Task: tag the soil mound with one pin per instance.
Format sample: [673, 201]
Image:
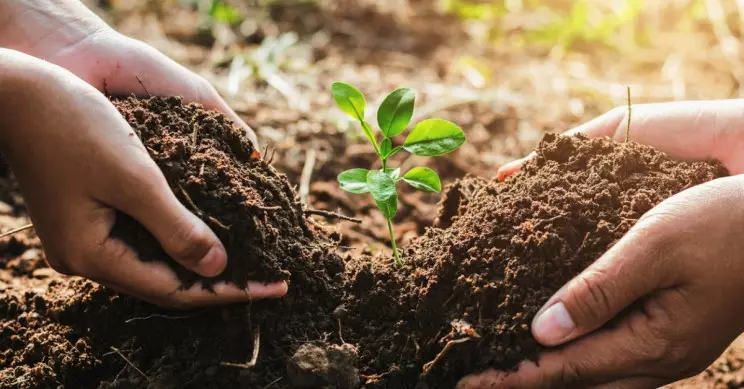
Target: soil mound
[467, 295]
[214, 170]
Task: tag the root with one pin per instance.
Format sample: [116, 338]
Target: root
[16, 230]
[254, 356]
[219, 223]
[428, 365]
[161, 317]
[118, 352]
[330, 214]
[340, 336]
[269, 208]
[307, 173]
[185, 194]
[273, 382]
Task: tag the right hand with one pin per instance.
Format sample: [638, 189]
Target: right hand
[76, 163]
[687, 130]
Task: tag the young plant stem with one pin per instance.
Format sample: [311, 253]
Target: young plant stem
[627, 130]
[398, 260]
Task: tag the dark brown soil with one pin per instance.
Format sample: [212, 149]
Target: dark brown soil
[496, 254]
[478, 283]
[215, 171]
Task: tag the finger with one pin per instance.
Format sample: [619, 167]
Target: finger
[633, 383]
[141, 191]
[604, 357]
[608, 286]
[155, 282]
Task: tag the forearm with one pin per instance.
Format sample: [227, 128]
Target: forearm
[43, 27]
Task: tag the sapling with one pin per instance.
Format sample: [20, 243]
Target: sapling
[430, 138]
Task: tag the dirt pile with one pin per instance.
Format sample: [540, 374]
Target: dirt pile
[466, 297]
[72, 333]
[215, 171]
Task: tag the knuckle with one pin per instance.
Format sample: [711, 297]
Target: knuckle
[176, 301]
[592, 303]
[186, 242]
[568, 376]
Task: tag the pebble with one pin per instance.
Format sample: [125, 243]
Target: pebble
[43, 273]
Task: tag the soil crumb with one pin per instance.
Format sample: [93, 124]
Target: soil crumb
[466, 297]
[214, 170]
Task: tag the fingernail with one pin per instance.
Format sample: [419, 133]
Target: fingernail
[213, 263]
[553, 325]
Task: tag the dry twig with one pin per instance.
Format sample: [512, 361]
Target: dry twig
[330, 214]
[118, 352]
[428, 365]
[307, 172]
[16, 230]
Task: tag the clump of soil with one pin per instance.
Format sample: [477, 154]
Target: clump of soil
[72, 333]
[466, 297]
[215, 171]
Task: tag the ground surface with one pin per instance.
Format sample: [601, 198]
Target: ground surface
[377, 47]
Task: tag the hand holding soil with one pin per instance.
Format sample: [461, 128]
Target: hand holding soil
[664, 301]
[78, 162]
[71, 36]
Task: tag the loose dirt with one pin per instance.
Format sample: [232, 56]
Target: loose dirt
[474, 281]
[466, 297]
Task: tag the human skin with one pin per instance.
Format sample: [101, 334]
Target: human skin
[673, 286]
[77, 163]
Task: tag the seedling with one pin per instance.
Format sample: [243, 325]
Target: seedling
[430, 138]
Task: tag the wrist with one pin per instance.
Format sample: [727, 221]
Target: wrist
[22, 80]
[45, 28]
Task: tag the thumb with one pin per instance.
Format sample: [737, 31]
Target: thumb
[627, 272]
[183, 236]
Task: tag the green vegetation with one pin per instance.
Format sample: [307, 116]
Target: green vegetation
[432, 137]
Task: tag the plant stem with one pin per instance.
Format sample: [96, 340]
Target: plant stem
[627, 130]
[398, 260]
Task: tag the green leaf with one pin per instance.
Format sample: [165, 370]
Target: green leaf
[380, 185]
[389, 207]
[354, 180]
[385, 147]
[393, 173]
[370, 135]
[396, 111]
[223, 12]
[434, 137]
[423, 178]
[349, 99]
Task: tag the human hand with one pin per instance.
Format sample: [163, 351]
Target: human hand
[77, 161]
[665, 300]
[69, 35]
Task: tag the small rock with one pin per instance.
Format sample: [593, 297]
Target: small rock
[316, 366]
[5, 208]
[43, 273]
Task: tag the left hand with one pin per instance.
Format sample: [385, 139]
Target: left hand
[666, 299]
[69, 35]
